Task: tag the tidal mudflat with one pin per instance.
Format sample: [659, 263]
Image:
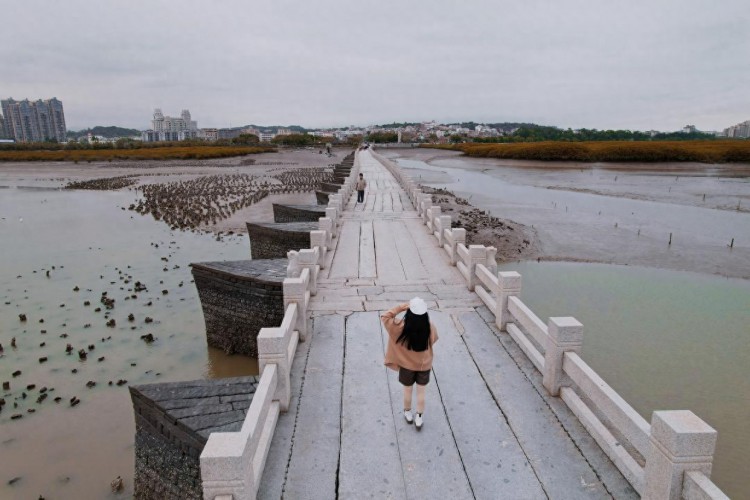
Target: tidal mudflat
[671, 338]
[99, 297]
[611, 213]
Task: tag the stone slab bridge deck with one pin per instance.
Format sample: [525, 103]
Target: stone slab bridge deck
[490, 431]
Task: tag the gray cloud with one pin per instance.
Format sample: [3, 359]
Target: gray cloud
[638, 64]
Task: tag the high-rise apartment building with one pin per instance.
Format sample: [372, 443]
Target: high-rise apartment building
[168, 128]
[34, 121]
[739, 131]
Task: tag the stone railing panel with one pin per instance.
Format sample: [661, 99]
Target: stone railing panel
[632, 426]
[296, 291]
[529, 321]
[229, 458]
[696, 486]
[453, 238]
[605, 439]
[319, 241]
[274, 346]
[442, 224]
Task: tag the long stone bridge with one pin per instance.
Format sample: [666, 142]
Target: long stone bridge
[512, 411]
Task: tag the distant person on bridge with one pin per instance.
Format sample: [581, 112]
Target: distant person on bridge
[361, 185]
[409, 352]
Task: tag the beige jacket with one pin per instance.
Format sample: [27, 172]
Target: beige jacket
[361, 184]
[397, 355]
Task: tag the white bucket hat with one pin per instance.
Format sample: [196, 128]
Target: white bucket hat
[417, 306]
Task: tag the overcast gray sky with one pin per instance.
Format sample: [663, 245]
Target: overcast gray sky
[637, 64]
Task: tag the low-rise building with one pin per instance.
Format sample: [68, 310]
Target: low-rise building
[266, 136]
[169, 128]
[208, 134]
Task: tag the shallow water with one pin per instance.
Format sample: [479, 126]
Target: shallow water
[665, 340]
[61, 451]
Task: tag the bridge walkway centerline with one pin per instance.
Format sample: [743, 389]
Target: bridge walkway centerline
[489, 431]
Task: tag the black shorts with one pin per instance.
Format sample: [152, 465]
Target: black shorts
[408, 377]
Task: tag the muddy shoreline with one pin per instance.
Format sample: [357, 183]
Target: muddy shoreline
[684, 217]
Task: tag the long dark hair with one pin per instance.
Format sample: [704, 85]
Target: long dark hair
[416, 331]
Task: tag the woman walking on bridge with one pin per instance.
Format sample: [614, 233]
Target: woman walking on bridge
[409, 352]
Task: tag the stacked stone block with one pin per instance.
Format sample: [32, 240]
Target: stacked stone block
[274, 240]
[238, 299]
[297, 213]
[173, 422]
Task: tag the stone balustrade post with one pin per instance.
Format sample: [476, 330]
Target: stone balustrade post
[319, 240]
[458, 235]
[680, 442]
[295, 291]
[565, 335]
[425, 204]
[433, 213]
[332, 214]
[509, 284]
[441, 224]
[415, 194]
[272, 349]
[491, 263]
[477, 255]
[308, 259]
[326, 224]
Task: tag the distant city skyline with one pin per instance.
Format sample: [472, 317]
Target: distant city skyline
[639, 65]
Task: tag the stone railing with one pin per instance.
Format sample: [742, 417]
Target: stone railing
[670, 458]
[232, 463]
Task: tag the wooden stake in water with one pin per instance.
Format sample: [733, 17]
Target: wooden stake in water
[670, 239]
[731, 245]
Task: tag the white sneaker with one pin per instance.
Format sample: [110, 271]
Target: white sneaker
[418, 421]
[408, 416]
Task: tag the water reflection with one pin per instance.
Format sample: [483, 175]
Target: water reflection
[61, 250]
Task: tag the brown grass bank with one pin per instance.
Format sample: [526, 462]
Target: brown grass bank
[166, 153]
[727, 151]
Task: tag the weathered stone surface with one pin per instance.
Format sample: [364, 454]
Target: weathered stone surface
[273, 240]
[366, 405]
[168, 443]
[238, 299]
[330, 187]
[297, 213]
[311, 469]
